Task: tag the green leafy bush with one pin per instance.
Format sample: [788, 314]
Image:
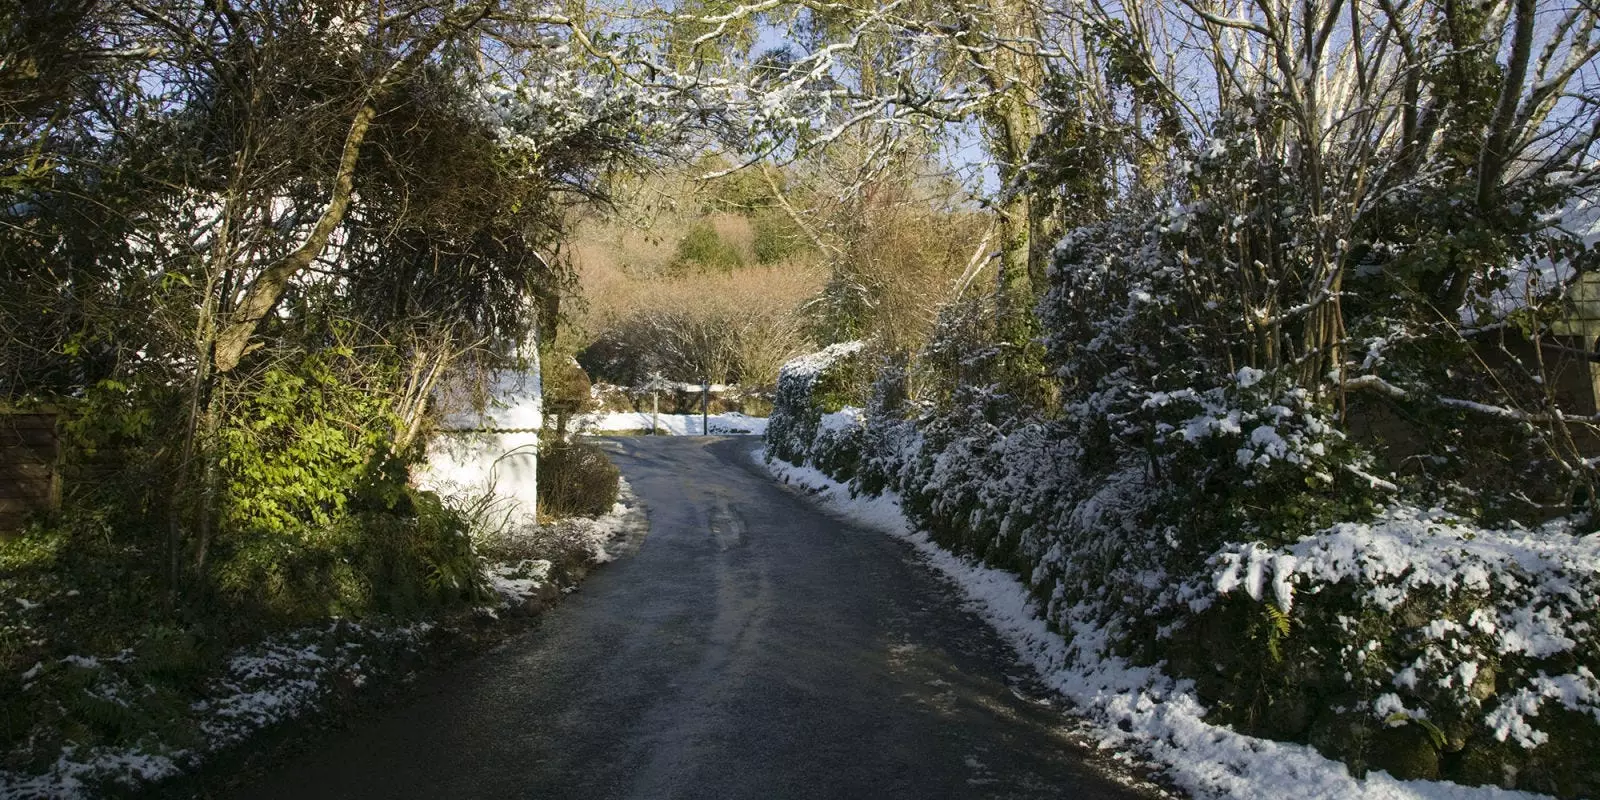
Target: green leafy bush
[402, 561]
[300, 443]
[315, 514]
[777, 238]
[703, 248]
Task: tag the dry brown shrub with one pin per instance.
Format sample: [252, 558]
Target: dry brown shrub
[576, 479]
[736, 230]
[734, 327]
[896, 238]
[908, 257]
[903, 240]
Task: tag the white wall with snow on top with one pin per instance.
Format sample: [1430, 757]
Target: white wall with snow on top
[493, 453]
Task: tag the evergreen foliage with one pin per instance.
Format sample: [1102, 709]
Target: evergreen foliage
[703, 248]
[1273, 334]
[241, 244]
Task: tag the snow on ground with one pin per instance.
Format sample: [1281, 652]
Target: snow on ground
[729, 424]
[263, 684]
[621, 528]
[517, 581]
[600, 540]
[1131, 707]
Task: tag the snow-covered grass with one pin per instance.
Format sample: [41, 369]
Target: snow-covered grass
[1132, 707]
[260, 685]
[728, 424]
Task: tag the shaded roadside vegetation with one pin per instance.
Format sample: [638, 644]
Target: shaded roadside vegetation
[241, 246]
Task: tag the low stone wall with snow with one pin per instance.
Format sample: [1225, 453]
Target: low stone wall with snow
[1400, 639]
[731, 423]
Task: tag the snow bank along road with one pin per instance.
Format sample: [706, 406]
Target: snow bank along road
[751, 648]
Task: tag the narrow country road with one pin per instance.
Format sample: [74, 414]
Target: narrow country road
[752, 647]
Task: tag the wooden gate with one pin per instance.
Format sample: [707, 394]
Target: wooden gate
[30, 475]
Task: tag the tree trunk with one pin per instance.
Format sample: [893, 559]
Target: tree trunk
[233, 340]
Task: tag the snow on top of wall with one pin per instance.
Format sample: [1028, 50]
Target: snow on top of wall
[731, 423]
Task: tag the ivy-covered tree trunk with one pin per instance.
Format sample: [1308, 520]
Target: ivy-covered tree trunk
[1011, 125]
[1015, 296]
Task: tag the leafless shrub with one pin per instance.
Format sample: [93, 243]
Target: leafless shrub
[575, 479]
[733, 328]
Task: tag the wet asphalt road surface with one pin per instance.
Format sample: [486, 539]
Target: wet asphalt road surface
[752, 647]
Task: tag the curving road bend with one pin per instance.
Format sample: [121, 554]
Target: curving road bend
[752, 647]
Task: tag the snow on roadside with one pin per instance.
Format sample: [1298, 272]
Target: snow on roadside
[262, 684]
[518, 581]
[728, 424]
[600, 540]
[1132, 707]
[78, 769]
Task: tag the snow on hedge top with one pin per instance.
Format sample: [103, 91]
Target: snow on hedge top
[1412, 549]
[1132, 705]
[806, 368]
[1409, 549]
[845, 419]
[1528, 594]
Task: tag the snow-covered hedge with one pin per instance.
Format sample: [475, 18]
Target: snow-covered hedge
[1245, 547]
[810, 387]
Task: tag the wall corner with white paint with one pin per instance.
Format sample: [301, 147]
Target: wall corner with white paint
[492, 456]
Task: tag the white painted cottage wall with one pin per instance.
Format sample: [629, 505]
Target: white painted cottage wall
[500, 459]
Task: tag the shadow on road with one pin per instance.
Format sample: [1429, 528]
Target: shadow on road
[752, 647]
